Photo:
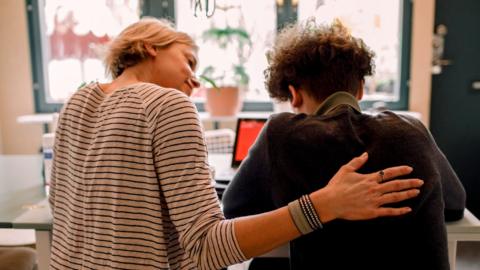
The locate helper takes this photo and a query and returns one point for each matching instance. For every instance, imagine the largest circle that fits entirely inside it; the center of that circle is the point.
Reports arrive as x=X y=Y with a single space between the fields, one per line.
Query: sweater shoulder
x=157 y=100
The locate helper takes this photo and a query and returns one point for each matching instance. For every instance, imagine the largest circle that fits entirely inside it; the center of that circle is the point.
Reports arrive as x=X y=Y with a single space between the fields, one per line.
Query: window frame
x=154 y=8
x=36 y=56
x=166 y=9
x=405 y=41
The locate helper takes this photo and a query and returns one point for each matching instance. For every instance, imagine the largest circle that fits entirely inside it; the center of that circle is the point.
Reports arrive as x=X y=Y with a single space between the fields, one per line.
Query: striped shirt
x=131 y=187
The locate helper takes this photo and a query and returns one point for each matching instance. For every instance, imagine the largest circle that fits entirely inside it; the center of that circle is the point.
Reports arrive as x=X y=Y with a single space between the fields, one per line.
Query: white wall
x=16 y=97
x=421 y=58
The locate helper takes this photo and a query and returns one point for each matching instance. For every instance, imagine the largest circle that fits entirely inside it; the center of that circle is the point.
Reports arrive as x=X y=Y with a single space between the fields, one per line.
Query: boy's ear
x=297 y=99
x=359 y=95
x=150 y=49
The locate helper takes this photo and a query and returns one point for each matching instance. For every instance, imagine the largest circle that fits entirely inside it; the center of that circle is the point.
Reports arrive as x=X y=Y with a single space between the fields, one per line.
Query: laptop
x=247 y=132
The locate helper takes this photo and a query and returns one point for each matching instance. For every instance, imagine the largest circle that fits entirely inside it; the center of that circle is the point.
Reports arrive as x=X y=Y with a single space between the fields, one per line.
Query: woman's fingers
x=394 y=197
x=386 y=211
x=356 y=163
x=391 y=173
x=359 y=196
x=399 y=185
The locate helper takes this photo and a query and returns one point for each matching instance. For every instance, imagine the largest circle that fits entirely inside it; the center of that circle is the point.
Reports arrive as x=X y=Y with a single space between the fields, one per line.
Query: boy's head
x=319 y=59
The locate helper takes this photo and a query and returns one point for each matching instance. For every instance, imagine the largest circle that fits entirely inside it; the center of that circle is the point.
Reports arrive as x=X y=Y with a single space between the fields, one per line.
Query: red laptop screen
x=247 y=132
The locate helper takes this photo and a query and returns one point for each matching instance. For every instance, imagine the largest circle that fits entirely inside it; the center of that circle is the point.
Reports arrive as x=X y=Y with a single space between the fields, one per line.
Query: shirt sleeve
x=249 y=193
x=188 y=193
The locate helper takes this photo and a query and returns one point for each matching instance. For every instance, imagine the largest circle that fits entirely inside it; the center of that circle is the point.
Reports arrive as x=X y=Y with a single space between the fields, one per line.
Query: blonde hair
x=128 y=48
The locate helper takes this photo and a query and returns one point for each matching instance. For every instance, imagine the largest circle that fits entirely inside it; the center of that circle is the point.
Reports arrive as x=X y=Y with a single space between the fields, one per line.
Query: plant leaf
x=209 y=80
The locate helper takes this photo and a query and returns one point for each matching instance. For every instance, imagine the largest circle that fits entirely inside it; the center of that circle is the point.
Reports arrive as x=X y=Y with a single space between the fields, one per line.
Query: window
x=73 y=40
x=379 y=24
x=257 y=19
x=67 y=40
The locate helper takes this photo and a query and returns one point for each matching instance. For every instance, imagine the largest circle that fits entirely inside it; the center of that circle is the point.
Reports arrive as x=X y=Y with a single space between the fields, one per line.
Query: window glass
x=74 y=38
x=378 y=23
x=257 y=19
x=69 y=38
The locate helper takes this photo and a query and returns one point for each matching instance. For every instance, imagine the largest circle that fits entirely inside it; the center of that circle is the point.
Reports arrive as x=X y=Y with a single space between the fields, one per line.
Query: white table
x=23 y=203
x=466 y=229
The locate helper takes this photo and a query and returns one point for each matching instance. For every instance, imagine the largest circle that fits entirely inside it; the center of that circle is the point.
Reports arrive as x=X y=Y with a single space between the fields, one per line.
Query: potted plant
x=226 y=75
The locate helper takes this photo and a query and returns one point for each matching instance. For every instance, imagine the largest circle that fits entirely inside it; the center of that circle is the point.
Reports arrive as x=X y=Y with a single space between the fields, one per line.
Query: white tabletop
x=466 y=229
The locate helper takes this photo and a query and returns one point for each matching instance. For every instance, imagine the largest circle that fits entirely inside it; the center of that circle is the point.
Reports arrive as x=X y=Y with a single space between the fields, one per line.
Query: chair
x=17 y=258
x=16 y=249
x=219 y=141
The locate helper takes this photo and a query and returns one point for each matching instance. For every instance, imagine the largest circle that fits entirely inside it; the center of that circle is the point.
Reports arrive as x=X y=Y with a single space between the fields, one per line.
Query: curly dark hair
x=321 y=59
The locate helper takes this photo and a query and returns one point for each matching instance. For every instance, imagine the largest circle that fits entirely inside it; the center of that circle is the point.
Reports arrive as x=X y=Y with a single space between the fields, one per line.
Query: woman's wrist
x=323 y=201
x=304 y=215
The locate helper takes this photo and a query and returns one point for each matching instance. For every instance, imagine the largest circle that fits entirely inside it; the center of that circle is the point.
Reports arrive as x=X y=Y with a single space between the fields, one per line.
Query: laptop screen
x=247 y=132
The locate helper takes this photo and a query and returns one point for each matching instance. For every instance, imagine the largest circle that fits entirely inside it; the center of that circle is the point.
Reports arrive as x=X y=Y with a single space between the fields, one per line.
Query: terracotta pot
x=223 y=101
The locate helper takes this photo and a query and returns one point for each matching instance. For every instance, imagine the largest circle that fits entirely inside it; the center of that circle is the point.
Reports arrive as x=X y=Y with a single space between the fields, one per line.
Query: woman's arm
x=348 y=195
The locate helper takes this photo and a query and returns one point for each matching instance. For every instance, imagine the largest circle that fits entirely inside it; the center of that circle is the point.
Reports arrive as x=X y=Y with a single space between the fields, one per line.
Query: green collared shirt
x=336 y=99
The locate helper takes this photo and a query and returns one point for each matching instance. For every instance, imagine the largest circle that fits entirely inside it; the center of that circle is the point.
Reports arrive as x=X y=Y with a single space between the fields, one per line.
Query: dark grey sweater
x=298 y=154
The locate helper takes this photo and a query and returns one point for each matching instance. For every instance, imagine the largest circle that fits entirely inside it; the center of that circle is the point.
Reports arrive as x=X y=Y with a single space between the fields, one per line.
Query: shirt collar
x=336 y=99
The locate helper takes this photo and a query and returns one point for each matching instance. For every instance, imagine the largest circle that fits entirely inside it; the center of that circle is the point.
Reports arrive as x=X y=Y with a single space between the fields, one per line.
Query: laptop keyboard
x=225 y=176
x=222 y=179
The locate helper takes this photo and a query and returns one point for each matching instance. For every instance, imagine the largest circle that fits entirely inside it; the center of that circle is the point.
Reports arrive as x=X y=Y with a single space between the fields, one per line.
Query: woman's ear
x=297 y=99
x=150 y=49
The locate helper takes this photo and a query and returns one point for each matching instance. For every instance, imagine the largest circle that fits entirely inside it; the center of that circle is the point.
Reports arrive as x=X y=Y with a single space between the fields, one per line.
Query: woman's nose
x=195 y=82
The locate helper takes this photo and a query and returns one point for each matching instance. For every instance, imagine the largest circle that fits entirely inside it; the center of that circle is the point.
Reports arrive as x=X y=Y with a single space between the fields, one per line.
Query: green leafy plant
x=229 y=41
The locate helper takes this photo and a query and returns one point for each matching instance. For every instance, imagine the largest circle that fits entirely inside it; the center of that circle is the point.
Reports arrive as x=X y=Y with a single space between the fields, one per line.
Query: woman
x=131 y=187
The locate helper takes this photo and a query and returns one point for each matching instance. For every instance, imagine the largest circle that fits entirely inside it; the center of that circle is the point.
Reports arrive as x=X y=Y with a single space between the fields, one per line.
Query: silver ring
x=382 y=173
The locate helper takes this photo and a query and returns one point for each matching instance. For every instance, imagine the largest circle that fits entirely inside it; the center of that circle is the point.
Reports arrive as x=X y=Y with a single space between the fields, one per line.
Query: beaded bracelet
x=304 y=215
x=312 y=215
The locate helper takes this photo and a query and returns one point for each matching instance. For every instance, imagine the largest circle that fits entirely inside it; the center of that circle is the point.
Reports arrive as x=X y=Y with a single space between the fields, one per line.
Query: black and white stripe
x=130 y=186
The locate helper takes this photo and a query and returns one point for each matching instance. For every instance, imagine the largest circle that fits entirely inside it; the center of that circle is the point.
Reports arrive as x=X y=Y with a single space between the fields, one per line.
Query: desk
x=21 y=186
x=466 y=229
x=23 y=205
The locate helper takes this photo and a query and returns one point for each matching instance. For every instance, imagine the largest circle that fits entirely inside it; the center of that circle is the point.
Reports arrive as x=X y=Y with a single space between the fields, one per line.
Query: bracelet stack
x=304 y=215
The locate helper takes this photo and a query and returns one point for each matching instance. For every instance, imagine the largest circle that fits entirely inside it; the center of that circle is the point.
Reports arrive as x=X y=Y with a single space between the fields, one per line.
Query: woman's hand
x=354 y=196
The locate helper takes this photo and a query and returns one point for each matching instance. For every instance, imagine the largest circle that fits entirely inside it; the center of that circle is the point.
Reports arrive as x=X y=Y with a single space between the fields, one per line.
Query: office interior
x=437 y=80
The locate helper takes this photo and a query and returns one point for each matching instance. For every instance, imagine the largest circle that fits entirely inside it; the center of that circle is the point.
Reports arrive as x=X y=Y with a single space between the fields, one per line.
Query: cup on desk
x=48 y=140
